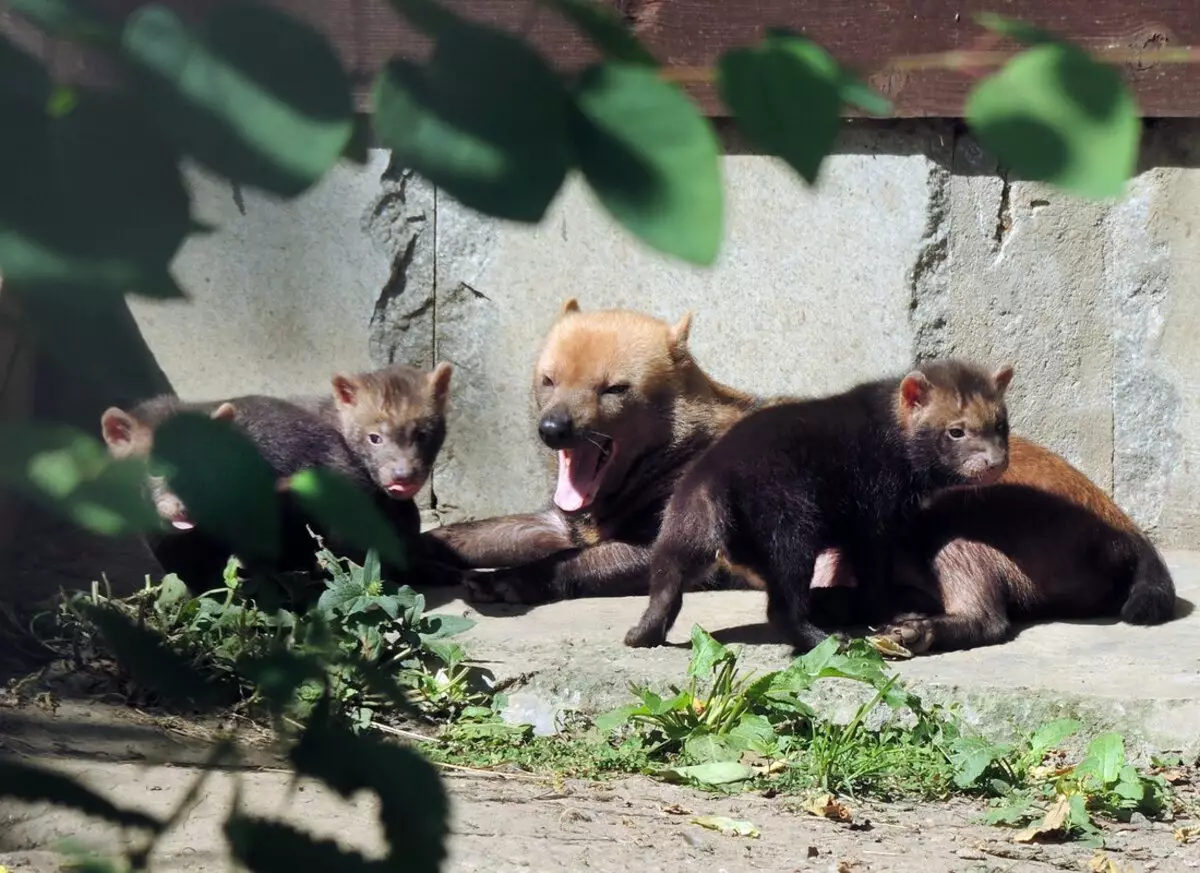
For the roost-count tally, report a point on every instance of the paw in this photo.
(644, 637)
(915, 633)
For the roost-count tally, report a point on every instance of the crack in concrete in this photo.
(929, 281)
(1004, 219)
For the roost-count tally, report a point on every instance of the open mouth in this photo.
(180, 522)
(581, 471)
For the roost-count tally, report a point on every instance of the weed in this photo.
(365, 639)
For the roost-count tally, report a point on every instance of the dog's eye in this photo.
(956, 433)
(547, 382)
(619, 388)
(375, 438)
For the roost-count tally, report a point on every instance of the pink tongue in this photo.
(577, 477)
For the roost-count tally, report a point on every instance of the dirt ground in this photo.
(514, 822)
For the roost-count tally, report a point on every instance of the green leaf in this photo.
(1104, 759)
(706, 653)
(256, 95)
(1018, 810)
(605, 29)
(145, 655)
(449, 653)
(752, 732)
(22, 76)
(615, 718)
(1130, 785)
(652, 159)
(93, 199)
(706, 747)
(1049, 735)
(715, 773)
(971, 757)
(785, 96)
(447, 625)
(414, 809)
(817, 658)
(347, 512)
(65, 19)
(223, 481)
(273, 847)
(1052, 114)
(71, 473)
(485, 119)
(279, 675)
(33, 784)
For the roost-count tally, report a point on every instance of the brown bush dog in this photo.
(1043, 543)
(380, 430)
(625, 408)
(794, 479)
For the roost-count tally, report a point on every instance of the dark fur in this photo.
(290, 439)
(791, 480)
(1018, 552)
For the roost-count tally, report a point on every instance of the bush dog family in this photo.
(793, 479)
(1045, 542)
(381, 430)
(901, 501)
(624, 407)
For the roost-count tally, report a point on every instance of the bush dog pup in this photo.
(624, 407)
(791, 480)
(381, 430)
(1044, 542)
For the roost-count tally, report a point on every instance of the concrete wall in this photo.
(912, 245)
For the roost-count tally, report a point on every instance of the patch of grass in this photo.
(369, 642)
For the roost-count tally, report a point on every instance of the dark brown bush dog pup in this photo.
(794, 479)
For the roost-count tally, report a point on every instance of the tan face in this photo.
(964, 423)
(604, 386)
(394, 420)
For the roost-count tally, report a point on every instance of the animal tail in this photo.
(1151, 598)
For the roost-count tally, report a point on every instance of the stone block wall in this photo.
(913, 244)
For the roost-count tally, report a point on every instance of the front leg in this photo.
(612, 569)
(504, 541)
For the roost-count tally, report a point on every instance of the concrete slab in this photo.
(1144, 682)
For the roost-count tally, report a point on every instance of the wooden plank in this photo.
(864, 34)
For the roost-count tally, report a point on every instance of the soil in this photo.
(511, 822)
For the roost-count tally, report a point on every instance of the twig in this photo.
(492, 774)
(963, 60)
(401, 732)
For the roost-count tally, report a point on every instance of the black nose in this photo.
(556, 429)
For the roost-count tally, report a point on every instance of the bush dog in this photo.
(624, 407)
(1045, 542)
(796, 478)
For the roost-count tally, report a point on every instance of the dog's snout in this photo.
(556, 428)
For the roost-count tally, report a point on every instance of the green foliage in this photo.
(239, 504)
(787, 93)
(70, 472)
(651, 158)
(370, 643)
(277, 118)
(346, 512)
(456, 121)
(1053, 114)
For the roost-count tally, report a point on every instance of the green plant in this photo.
(363, 637)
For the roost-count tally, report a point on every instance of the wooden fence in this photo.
(866, 34)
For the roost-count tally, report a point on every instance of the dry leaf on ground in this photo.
(826, 806)
(888, 647)
(728, 826)
(1185, 835)
(676, 809)
(1052, 825)
(1102, 863)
